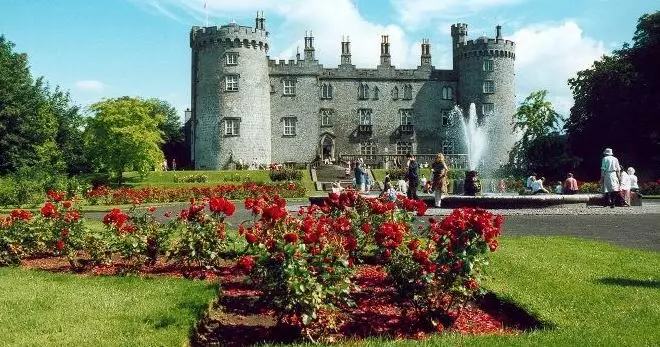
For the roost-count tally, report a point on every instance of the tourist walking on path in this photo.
(439, 170)
(570, 184)
(413, 177)
(609, 177)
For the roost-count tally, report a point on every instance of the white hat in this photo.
(608, 151)
(631, 170)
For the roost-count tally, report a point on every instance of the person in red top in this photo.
(570, 184)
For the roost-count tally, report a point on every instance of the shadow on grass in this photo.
(629, 282)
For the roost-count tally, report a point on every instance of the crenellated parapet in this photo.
(486, 47)
(229, 36)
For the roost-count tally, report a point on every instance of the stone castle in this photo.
(247, 107)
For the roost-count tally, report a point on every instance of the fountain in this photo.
(475, 141)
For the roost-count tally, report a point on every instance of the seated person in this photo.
(570, 185)
(537, 186)
(559, 188)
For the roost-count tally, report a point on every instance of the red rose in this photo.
(49, 210)
(66, 204)
(168, 214)
(492, 245)
(64, 233)
(59, 245)
(472, 284)
(291, 238)
(413, 245)
(245, 263)
(250, 238)
(151, 209)
(366, 227)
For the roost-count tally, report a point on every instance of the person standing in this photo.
(570, 184)
(173, 164)
(624, 180)
(359, 176)
(609, 177)
(439, 169)
(413, 177)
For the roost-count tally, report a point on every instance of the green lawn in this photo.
(47, 309)
(587, 293)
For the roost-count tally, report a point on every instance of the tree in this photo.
(27, 125)
(535, 118)
(122, 135)
(174, 146)
(617, 102)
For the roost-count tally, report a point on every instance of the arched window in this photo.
(363, 91)
(395, 93)
(376, 92)
(407, 92)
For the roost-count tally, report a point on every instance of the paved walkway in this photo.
(635, 227)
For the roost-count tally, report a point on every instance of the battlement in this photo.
(486, 41)
(483, 46)
(231, 35)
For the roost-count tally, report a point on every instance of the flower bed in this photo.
(315, 271)
(107, 196)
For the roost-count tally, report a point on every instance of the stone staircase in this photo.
(324, 175)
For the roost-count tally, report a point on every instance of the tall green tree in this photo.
(27, 124)
(123, 135)
(617, 103)
(534, 119)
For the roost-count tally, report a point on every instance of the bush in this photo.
(194, 178)
(650, 188)
(589, 188)
(284, 174)
(397, 174)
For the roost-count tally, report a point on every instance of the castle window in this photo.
(326, 115)
(395, 93)
(289, 87)
(231, 58)
(406, 116)
(487, 109)
(407, 92)
(447, 93)
(272, 88)
(232, 126)
(289, 126)
(326, 91)
(404, 147)
(489, 87)
(489, 65)
(376, 91)
(448, 146)
(447, 118)
(231, 83)
(363, 91)
(368, 149)
(364, 116)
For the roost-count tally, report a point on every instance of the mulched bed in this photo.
(238, 319)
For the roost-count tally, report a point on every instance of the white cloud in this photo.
(548, 55)
(328, 20)
(91, 86)
(414, 13)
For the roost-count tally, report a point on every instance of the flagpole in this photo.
(206, 14)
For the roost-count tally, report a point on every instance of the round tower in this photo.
(485, 71)
(230, 95)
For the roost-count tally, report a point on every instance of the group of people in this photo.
(166, 167)
(535, 185)
(438, 182)
(615, 182)
(362, 176)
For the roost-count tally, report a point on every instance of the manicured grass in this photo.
(587, 293)
(214, 176)
(46, 309)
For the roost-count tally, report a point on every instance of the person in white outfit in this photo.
(634, 186)
(624, 181)
(609, 177)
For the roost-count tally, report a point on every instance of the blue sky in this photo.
(111, 48)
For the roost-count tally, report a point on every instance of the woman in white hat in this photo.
(609, 177)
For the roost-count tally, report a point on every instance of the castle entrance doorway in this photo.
(327, 148)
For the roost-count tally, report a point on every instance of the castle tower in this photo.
(230, 95)
(485, 70)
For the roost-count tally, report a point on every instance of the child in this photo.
(558, 188)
